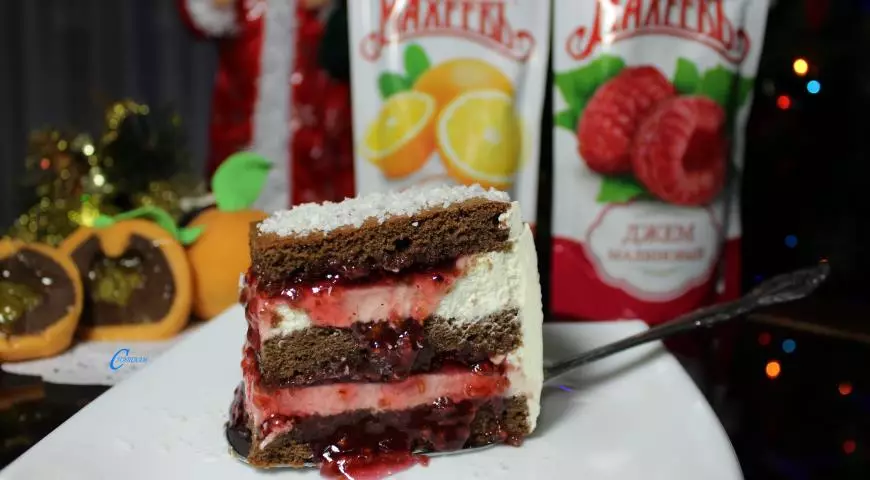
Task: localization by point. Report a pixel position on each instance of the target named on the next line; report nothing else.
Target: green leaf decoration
(567, 119)
(157, 215)
(416, 62)
(620, 190)
(237, 183)
(687, 78)
(189, 235)
(744, 88)
(578, 85)
(716, 84)
(390, 84)
(104, 221)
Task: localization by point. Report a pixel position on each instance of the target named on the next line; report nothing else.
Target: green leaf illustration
(716, 84)
(392, 83)
(238, 181)
(744, 88)
(577, 86)
(416, 62)
(687, 78)
(567, 119)
(620, 190)
(608, 66)
(572, 85)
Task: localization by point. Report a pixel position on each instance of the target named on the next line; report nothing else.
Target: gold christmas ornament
(140, 160)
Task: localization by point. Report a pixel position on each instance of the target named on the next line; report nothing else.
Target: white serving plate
(636, 415)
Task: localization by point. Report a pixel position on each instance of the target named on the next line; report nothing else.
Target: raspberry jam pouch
(449, 91)
(650, 102)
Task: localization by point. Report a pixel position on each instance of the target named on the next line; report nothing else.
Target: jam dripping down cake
(389, 324)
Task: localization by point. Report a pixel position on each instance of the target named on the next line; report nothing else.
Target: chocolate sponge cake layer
(383, 351)
(432, 236)
(441, 426)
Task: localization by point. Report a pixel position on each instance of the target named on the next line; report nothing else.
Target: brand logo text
(122, 357)
(703, 21)
(481, 21)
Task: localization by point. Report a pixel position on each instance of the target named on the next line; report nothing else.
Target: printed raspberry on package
(650, 102)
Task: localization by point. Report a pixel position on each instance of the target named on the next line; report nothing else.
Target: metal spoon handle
(780, 289)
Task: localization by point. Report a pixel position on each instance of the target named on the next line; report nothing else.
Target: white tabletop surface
(636, 415)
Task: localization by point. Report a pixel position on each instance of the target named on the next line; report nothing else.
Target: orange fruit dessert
(136, 279)
(218, 257)
(40, 300)
(446, 81)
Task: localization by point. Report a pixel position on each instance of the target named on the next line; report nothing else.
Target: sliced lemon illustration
(480, 138)
(402, 137)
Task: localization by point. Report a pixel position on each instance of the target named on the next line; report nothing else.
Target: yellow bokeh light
(801, 67)
(773, 369)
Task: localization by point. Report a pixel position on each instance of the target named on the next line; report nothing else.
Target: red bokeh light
(849, 446)
(845, 388)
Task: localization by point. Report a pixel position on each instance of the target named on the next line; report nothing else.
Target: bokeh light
(814, 87)
(789, 345)
(773, 369)
(845, 388)
(849, 446)
(791, 241)
(764, 339)
(783, 102)
(800, 67)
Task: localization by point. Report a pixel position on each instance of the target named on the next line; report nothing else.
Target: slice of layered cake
(389, 324)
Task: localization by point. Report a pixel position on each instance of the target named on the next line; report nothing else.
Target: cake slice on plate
(388, 324)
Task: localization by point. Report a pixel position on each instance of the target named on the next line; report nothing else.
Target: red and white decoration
(251, 101)
(271, 97)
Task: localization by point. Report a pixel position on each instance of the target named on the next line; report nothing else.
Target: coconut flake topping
(324, 217)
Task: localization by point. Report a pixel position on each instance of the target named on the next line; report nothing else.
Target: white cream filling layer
(527, 375)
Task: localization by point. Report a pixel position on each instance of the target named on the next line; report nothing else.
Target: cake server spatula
(780, 289)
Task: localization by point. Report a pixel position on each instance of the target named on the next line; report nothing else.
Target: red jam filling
(457, 382)
(381, 454)
(353, 443)
(360, 445)
(338, 301)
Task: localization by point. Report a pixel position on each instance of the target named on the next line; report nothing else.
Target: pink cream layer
(457, 384)
(339, 304)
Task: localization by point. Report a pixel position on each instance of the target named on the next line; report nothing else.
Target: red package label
(650, 102)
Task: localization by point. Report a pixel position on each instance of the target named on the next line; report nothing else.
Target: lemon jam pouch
(650, 100)
(449, 91)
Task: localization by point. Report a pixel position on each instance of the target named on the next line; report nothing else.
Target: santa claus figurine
(271, 96)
